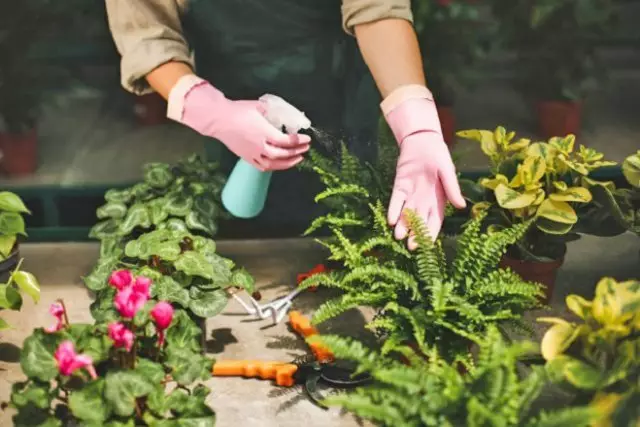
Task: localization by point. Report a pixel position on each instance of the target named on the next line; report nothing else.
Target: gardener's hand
(240, 125)
(425, 174)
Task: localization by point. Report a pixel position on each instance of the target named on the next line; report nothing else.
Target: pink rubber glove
(240, 125)
(425, 174)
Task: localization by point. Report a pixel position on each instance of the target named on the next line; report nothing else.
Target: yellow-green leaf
(564, 145)
(582, 375)
(553, 320)
(570, 164)
(500, 135)
(560, 185)
(552, 227)
(484, 137)
(508, 198)
(540, 195)
(532, 169)
(492, 183)
(479, 208)
(557, 339)
(11, 202)
(28, 283)
(631, 169)
(573, 194)
(606, 307)
(520, 144)
(578, 305)
(7, 242)
(544, 150)
(557, 211)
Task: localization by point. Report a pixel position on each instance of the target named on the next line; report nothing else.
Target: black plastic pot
(9, 264)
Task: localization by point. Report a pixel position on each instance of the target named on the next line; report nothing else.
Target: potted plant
(10, 297)
(453, 37)
(12, 226)
(434, 393)
(596, 357)
(23, 79)
(140, 368)
(557, 64)
(547, 183)
(420, 297)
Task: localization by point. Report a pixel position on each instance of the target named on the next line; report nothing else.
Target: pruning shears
(323, 368)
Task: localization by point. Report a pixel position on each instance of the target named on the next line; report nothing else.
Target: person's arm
(391, 51)
(148, 35)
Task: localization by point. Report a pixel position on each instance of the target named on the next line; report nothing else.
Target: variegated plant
(598, 358)
(548, 182)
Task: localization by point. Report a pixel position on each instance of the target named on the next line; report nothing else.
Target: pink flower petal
(162, 314)
(120, 279)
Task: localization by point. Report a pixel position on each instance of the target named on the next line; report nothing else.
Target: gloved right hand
(240, 125)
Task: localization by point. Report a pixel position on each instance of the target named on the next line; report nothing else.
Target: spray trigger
(281, 114)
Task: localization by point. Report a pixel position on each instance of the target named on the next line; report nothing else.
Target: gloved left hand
(425, 173)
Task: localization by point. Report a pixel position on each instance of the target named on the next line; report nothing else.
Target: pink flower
(121, 336)
(142, 285)
(57, 310)
(120, 279)
(162, 314)
(69, 361)
(130, 300)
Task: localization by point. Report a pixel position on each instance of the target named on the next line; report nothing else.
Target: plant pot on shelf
(448, 124)
(559, 118)
(535, 271)
(19, 153)
(9, 264)
(150, 109)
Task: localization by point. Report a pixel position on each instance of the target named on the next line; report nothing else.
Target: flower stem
(64, 311)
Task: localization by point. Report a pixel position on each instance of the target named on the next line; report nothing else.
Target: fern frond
(343, 190)
(335, 307)
(429, 254)
(330, 220)
(394, 278)
(364, 406)
(574, 417)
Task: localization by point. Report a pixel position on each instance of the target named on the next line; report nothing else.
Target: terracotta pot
(559, 118)
(448, 123)
(535, 271)
(150, 110)
(19, 153)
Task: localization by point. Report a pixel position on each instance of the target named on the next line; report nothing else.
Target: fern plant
(421, 297)
(434, 393)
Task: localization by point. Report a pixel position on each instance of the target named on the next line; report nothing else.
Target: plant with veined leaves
(186, 271)
(12, 209)
(10, 297)
(183, 197)
(137, 369)
(598, 357)
(548, 182)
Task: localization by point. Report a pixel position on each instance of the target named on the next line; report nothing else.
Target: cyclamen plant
(136, 369)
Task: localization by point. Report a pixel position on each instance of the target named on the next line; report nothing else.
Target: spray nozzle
(282, 114)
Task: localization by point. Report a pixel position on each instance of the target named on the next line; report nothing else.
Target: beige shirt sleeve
(147, 33)
(355, 12)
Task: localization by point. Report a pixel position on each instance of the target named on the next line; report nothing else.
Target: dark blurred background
(68, 131)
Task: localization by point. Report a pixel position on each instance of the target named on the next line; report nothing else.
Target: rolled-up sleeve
(147, 34)
(355, 12)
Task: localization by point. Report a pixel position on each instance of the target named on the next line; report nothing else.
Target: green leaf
(207, 303)
(10, 298)
(137, 216)
(10, 202)
(4, 325)
(194, 264)
(183, 334)
(28, 283)
(186, 368)
(176, 224)
(112, 210)
(154, 372)
(12, 223)
(582, 375)
(168, 289)
(88, 403)
(242, 279)
(105, 229)
(122, 388)
(96, 346)
(179, 204)
(157, 211)
(118, 196)
(7, 243)
(196, 221)
(28, 392)
(36, 358)
(101, 308)
(98, 279)
(158, 175)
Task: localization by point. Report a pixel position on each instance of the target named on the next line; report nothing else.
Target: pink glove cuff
(411, 109)
(179, 92)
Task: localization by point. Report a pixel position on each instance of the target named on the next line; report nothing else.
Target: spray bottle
(246, 189)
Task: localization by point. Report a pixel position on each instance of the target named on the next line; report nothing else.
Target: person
(339, 61)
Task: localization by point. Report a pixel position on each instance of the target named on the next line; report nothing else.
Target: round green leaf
(118, 196)
(158, 175)
(196, 221)
(10, 298)
(36, 358)
(187, 368)
(98, 279)
(183, 333)
(28, 283)
(179, 204)
(88, 403)
(105, 229)
(154, 372)
(242, 279)
(583, 375)
(123, 388)
(168, 289)
(194, 264)
(112, 210)
(137, 216)
(207, 303)
(36, 394)
(157, 210)
(7, 243)
(10, 202)
(176, 224)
